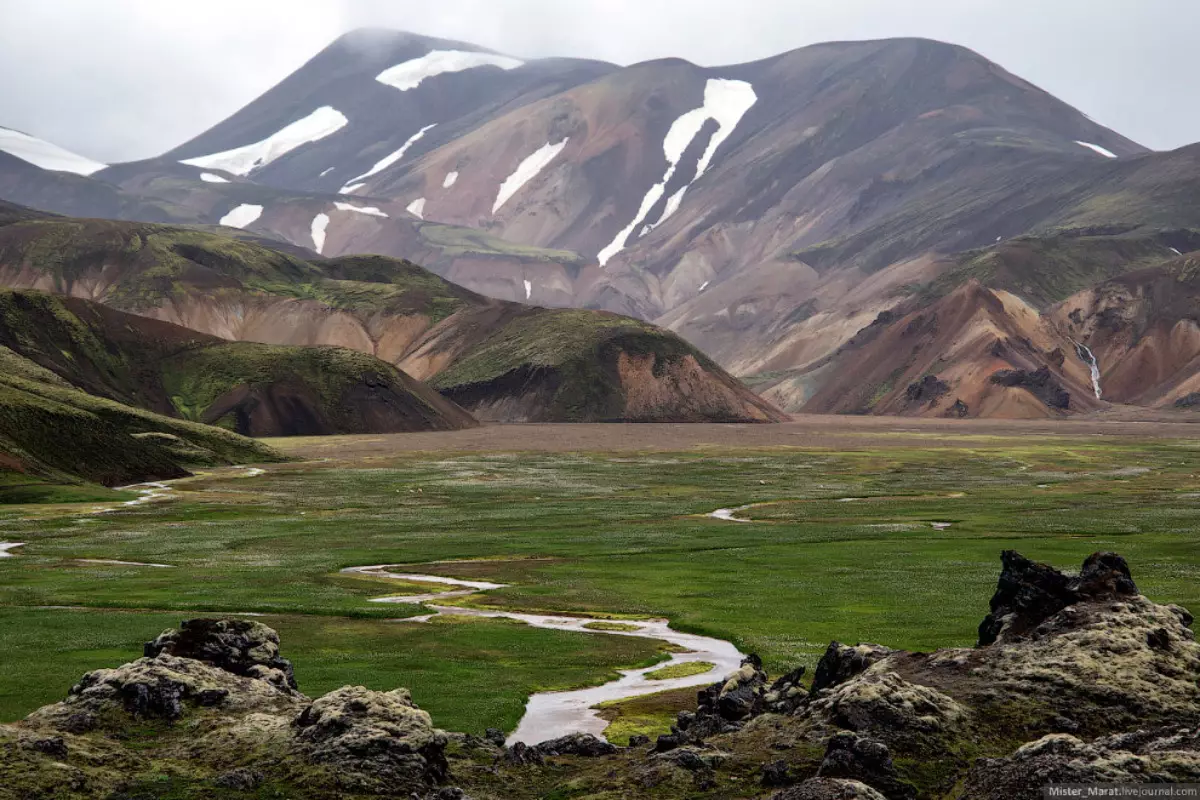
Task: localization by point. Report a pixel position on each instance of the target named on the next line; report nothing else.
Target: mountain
(499, 360)
(766, 212)
(54, 435)
(255, 390)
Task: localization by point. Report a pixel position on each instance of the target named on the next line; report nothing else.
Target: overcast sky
(125, 79)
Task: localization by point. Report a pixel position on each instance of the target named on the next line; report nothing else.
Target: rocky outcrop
(377, 741)
(163, 687)
(220, 698)
(576, 744)
(829, 789)
(233, 645)
(842, 662)
(1040, 382)
(1029, 593)
(858, 758)
(1169, 755)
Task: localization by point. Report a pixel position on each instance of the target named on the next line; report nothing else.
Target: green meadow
(897, 542)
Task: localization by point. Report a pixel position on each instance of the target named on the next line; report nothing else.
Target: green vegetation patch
(623, 627)
(649, 715)
(684, 669)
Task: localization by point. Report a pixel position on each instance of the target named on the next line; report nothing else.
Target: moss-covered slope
(54, 434)
(257, 390)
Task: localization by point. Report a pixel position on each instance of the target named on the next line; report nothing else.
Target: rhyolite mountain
(767, 212)
(272, 343)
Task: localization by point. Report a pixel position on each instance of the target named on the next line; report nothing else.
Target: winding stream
(549, 715)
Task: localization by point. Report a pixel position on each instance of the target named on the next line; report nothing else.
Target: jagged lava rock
(378, 742)
(234, 645)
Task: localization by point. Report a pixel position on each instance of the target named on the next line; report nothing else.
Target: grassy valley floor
(874, 531)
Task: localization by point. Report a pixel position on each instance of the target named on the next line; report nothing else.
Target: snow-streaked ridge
(243, 215)
(43, 154)
(1097, 148)
(323, 122)
(320, 224)
(526, 171)
(725, 102)
(357, 183)
(412, 74)
(370, 211)
(209, 177)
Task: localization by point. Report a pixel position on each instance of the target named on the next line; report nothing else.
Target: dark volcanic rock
(866, 760)
(238, 646)
(787, 693)
(927, 390)
(1188, 401)
(736, 698)
(1165, 755)
(959, 410)
(829, 789)
(1029, 593)
(378, 742)
(1040, 382)
(241, 780)
(522, 754)
(576, 744)
(842, 662)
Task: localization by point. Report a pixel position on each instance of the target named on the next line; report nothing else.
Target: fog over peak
(128, 79)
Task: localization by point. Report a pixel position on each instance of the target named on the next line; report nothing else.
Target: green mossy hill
(252, 389)
(11, 212)
(391, 285)
(1045, 270)
(145, 265)
(273, 390)
(551, 338)
(566, 365)
(52, 433)
(95, 348)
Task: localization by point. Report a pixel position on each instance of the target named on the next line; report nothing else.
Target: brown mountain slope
(1144, 330)
(976, 351)
(256, 390)
(509, 361)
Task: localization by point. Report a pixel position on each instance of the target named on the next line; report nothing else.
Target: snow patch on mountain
(323, 122)
(370, 211)
(526, 171)
(43, 154)
(325, 172)
(451, 179)
(528, 289)
(208, 177)
(412, 74)
(1102, 151)
(320, 224)
(417, 208)
(243, 215)
(356, 183)
(725, 102)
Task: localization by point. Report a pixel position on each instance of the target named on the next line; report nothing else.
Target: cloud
(127, 79)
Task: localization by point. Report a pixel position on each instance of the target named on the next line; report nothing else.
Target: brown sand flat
(804, 431)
